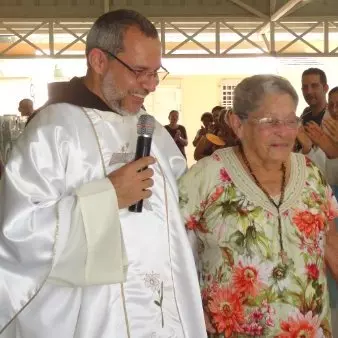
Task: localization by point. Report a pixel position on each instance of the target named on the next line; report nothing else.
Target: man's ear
(326, 88)
(236, 125)
(98, 61)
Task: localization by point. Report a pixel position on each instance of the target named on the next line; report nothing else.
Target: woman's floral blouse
(246, 290)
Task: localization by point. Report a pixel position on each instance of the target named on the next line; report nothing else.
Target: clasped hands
(312, 134)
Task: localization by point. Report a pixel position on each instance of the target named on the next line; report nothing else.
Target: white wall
(196, 82)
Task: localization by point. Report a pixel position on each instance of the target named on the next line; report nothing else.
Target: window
(227, 90)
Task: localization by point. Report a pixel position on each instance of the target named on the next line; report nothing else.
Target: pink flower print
(299, 325)
(312, 271)
(216, 195)
(216, 157)
(224, 176)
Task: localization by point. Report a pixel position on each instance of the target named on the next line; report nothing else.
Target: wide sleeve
(94, 251)
(42, 205)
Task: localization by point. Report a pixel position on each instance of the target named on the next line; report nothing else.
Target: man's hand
(131, 184)
(332, 129)
(314, 132)
(321, 139)
(304, 141)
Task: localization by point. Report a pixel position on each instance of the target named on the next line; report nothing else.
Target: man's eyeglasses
(271, 123)
(141, 75)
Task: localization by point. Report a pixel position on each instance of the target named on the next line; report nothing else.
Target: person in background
(333, 287)
(204, 147)
(74, 261)
(220, 136)
(177, 131)
(324, 154)
(263, 222)
(319, 142)
(26, 107)
(314, 88)
(225, 131)
(216, 112)
(207, 121)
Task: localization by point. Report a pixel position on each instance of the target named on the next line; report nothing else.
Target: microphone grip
(142, 150)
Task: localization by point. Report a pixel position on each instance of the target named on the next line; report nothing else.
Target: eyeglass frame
(276, 122)
(137, 73)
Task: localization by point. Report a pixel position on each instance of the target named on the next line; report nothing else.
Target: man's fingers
(146, 194)
(329, 126)
(145, 174)
(142, 163)
(147, 183)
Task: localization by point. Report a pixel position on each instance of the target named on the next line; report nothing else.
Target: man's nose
(150, 84)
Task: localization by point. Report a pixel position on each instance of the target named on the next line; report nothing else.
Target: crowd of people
(238, 245)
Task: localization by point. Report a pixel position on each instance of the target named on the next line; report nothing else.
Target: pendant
(284, 257)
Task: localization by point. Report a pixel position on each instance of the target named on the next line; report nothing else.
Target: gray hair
(107, 32)
(250, 92)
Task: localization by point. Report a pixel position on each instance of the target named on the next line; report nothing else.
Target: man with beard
(314, 88)
(74, 261)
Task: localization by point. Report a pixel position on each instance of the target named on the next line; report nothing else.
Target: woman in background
(221, 136)
(207, 121)
(177, 132)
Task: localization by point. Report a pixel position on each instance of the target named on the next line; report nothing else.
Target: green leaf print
(292, 298)
(183, 199)
(264, 245)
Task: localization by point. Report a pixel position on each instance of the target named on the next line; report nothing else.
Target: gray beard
(113, 96)
(116, 106)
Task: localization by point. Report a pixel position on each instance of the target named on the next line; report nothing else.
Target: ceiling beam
(106, 6)
(285, 9)
(249, 8)
(273, 4)
(282, 11)
(299, 6)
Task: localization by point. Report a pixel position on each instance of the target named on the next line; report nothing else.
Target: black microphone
(145, 130)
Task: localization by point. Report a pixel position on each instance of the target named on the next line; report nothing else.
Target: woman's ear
(236, 125)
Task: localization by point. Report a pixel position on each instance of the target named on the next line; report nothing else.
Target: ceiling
(25, 9)
(203, 28)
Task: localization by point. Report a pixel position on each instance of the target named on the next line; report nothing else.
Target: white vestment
(328, 167)
(71, 263)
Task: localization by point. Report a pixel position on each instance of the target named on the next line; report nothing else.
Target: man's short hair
(316, 71)
(23, 101)
(206, 115)
(107, 33)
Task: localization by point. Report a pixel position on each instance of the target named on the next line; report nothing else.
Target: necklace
(282, 252)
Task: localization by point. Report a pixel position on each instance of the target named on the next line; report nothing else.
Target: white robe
(71, 263)
(329, 167)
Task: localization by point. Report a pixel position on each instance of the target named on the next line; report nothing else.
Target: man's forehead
(311, 78)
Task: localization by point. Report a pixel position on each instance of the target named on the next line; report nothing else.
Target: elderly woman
(260, 215)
